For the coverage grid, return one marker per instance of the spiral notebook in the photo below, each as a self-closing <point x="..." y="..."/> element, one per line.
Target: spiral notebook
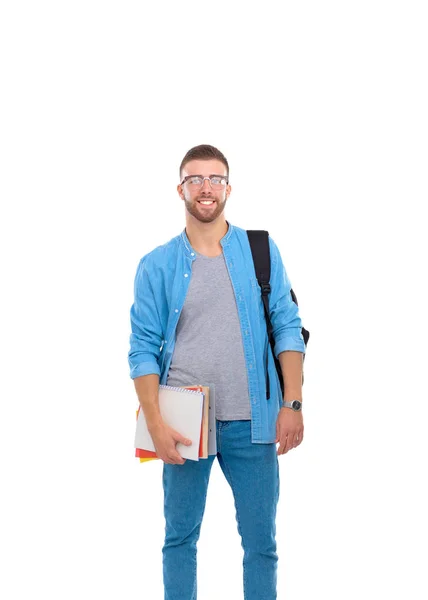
<point x="180" y="409"/>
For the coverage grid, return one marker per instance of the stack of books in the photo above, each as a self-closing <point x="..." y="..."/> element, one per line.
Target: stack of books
<point x="190" y="410"/>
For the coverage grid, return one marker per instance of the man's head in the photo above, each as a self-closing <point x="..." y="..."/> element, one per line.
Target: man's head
<point x="205" y="199"/>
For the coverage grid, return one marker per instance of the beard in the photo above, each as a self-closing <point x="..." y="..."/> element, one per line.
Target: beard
<point x="206" y="214"/>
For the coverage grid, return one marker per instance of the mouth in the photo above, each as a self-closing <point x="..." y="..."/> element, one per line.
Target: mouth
<point x="206" y="202"/>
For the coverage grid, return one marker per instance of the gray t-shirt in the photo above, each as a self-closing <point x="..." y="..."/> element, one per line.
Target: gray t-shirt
<point x="208" y="347"/>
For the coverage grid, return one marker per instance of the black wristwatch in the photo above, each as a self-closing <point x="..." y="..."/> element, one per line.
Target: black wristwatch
<point x="294" y="404"/>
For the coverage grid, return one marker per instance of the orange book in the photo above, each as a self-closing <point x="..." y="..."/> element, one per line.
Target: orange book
<point x="140" y="453"/>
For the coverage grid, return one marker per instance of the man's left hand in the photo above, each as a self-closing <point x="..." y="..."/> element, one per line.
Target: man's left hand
<point x="289" y="429"/>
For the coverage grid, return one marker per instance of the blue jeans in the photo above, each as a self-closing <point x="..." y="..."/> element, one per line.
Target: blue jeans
<point x="252" y="472"/>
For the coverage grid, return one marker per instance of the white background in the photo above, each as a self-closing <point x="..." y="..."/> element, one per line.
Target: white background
<point x="321" y="110"/>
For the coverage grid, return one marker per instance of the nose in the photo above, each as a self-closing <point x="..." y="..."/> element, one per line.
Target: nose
<point x="206" y="186"/>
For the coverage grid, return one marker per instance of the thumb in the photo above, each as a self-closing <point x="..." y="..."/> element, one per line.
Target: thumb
<point x="182" y="439"/>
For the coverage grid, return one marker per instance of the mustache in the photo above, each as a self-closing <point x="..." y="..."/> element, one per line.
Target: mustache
<point x="206" y="197"/>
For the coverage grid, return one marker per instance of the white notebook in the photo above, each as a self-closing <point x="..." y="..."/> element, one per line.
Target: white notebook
<point x="180" y="409"/>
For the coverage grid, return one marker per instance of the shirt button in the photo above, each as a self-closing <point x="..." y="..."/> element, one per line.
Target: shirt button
<point x="192" y="254"/>
<point x="176" y="310"/>
<point x="186" y="275"/>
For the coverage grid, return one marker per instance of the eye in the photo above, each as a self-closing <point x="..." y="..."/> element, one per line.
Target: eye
<point x="217" y="180"/>
<point x="195" y="180"/>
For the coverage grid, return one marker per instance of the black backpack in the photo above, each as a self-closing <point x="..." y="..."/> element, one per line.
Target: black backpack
<point x="259" y="243"/>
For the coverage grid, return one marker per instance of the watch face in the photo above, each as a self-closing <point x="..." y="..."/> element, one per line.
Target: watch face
<point x="297" y="405"/>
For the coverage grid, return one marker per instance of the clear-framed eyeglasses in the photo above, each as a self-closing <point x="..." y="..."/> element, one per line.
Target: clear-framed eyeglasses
<point x="195" y="182"/>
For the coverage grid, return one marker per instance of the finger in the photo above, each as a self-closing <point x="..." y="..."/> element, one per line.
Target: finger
<point x="282" y="445"/>
<point x="175" y="458"/>
<point x="294" y="440"/>
<point x="289" y="444"/>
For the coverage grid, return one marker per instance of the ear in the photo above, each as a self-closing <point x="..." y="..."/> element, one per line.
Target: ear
<point x="180" y="191"/>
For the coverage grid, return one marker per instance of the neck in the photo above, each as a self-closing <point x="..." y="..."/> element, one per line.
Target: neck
<point x="205" y="237"/>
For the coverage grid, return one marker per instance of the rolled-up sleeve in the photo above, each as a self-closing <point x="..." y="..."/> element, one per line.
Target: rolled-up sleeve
<point x="284" y="312"/>
<point x="146" y="337"/>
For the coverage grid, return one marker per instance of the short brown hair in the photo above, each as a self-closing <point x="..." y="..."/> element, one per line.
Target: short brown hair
<point x="204" y="152"/>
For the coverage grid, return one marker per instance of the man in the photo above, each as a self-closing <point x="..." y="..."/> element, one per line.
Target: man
<point x="198" y="317"/>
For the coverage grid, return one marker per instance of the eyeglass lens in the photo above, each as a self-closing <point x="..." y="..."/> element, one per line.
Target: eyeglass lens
<point x="197" y="181"/>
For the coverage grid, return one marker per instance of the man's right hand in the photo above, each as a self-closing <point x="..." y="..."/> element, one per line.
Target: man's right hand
<point x="165" y="439"/>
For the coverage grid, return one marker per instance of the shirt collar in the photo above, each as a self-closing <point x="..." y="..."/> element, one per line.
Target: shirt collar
<point x="188" y="247"/>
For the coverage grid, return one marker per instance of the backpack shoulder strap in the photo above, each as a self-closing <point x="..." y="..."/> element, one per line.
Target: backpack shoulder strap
<point x="259" y="243"/>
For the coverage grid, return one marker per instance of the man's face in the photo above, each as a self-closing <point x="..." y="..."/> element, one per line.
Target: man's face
<point x="204" y="203"/>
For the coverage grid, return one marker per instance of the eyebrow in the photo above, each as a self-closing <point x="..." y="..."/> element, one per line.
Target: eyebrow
<point x="211" y="175"/>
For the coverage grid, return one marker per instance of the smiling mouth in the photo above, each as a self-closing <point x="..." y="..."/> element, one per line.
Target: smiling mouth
<point x="206" y="202"/>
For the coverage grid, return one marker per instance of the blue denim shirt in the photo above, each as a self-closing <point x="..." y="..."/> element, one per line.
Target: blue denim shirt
<point x="161" y="283"/>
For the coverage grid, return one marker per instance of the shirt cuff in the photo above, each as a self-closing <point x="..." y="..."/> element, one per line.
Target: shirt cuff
<point x="289" y="343"/>
<point x="145" y="368"/>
